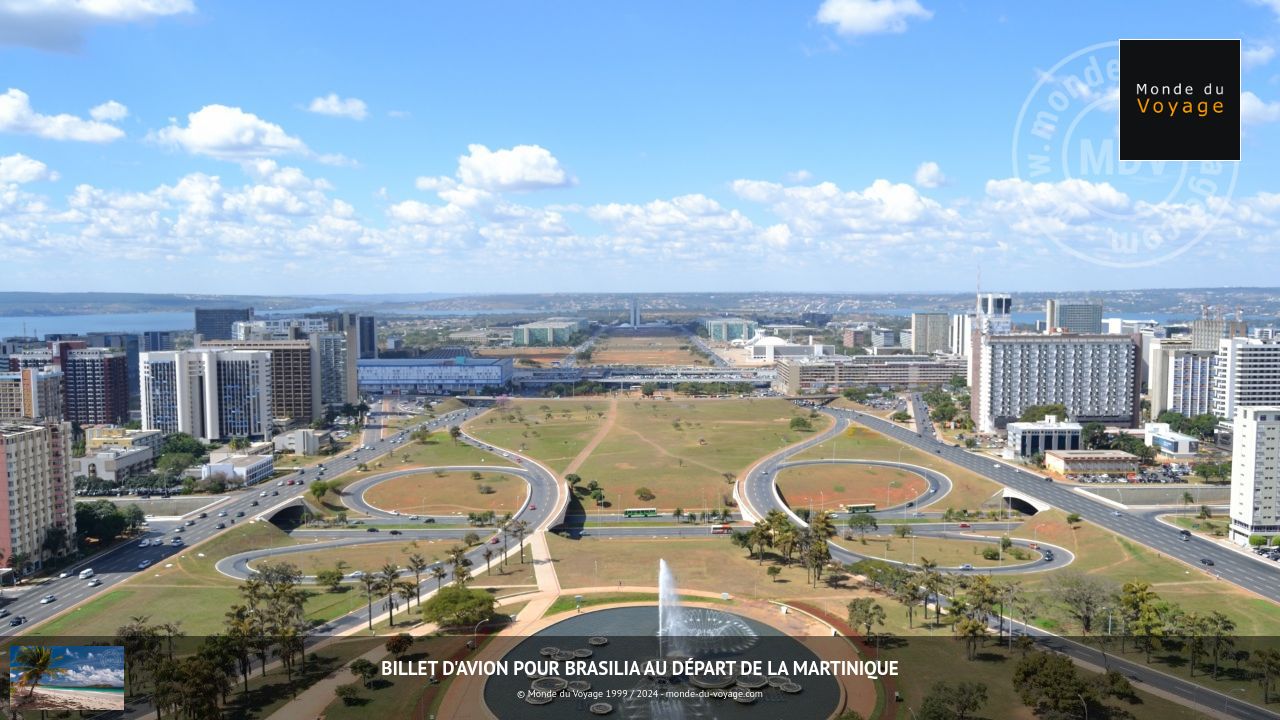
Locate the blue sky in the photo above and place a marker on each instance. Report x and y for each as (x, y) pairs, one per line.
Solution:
(853, 145)
(82, 666)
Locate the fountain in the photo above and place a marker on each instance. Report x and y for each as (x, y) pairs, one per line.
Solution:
(670, 631)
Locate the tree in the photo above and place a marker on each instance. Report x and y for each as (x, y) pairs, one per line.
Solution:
(801, 424)
(458, 607)
(370, 583)
(645, 494)
(1141, 613)
(573, 479)
(348, 694)
(946, 701)
(320, 488)
(1219, 637)
(1073, 518)
(518, 529)
(901, 416)
(399, 644)
(773, 571)
(866, 613)
(455, 433)
(364, 670)
(1082, 597)
(1093, 435)
(182, 443)
(331, 579)
(1266, 662)
(417, 564)
(1050, 685)
(32, 664)
(823, 525)
(862, 523)
(1036, 413)
(439, 573)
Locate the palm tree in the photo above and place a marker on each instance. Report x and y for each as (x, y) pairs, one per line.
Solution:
(439, 573)
(823, 524)
(33, 663)
(488, 555)
(519, 528)
(417, 564)
(387, 578)
(370, 583)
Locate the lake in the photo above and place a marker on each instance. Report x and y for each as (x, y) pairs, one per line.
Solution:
(38, 326)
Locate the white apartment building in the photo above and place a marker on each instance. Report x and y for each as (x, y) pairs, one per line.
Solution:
(1094, 376)
(1180, 379)
(1255, 473)
(1247, 375)
(212, 394)
(37, 496)
(961, 334)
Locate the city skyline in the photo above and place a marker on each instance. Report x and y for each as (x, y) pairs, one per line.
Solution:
(734, 147)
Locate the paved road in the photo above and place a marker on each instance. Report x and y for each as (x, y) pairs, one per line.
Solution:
(1229, 565)
(121, 563)
(702, 345)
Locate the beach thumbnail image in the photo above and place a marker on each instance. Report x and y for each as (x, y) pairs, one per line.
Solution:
(66, 677)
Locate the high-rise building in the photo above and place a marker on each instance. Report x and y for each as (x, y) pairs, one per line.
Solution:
(215, 323)
(1094, 376)
(1247, 375)
(209, 393)
(1180, 379)
(295, 377)
(1206, 332)
(96, 386)
(37, 495)
(31, 394)
(1083, 318)
(330, 351)
(368, 337)
(281, 328)
(884, 337)
(992, 315)
(128, 343)
(1255, 473)
(348, 324)
(635, 312)
(960, 334)
(930, 333)
(157, 341)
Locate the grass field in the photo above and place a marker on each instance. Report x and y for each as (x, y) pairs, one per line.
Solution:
(438, 451)
(191, 592)
(1212, 527)
(708, 563)
(553, 431)
(170, 506)
(681, 450)
(366, 556)
(645, 350)
(970, 489)
(833, 486)
(947, 553)
(449, 492)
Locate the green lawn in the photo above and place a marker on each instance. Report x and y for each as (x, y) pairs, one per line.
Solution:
(682, 450)
(552, 431)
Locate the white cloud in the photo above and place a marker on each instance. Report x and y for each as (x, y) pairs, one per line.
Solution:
(17, 116)
(1274, 5)
(420, 213)
(1256, 111)
(109, 111)
(1256, 56)
(798, 176)
(523, 167)
(20, 169)
(60, 24)
(230, 133)
(868, 17)
(929, 175)
(335, 106)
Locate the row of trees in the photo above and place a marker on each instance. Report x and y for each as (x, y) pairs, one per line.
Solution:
(806, 545)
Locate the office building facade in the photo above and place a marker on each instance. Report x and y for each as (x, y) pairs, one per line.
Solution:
(802, 376)
(960, 334)
(930, 333)
(295, 377)
(550, 332)
(1255, 473)
(37, 496)
(1208, 333)
(1028, 438)
(212, 394)
(156, 341)
(1094, 376)
(216, 323)
(1073, 317)
(96, 386)
(434, 375)
(368, 337)
(1180, 379)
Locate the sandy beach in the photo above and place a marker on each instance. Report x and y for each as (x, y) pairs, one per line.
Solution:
(66, 699)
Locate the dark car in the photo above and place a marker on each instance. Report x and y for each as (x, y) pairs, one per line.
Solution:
(253, 503)
(203, 515)
(1206, 562)
(239, 513)
(393, 532)
(372, 529)
(220, 526)
(17, 620)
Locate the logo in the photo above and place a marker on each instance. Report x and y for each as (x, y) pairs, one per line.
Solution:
(1078, 193)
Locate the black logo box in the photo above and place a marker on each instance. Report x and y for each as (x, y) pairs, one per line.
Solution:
(1187, 68)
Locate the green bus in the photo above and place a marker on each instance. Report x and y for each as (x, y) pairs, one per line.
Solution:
(861, 508)
(640, 512)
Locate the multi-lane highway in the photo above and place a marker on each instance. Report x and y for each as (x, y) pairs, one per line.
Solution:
(121, 563)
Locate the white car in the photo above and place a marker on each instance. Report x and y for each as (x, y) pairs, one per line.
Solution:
(144, 564)
(47, 599)
(145, 543)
